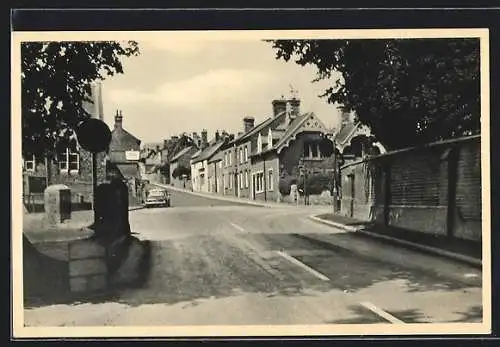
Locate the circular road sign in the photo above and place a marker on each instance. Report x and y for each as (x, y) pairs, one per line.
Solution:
(93, 135)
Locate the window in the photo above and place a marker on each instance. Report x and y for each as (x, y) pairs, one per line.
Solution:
(246, 179)
(270, 180)
(270, 138)
(225, 159)
(314, 150)
(69, 161)
(229, 157)
(311, 150)
(220, 164)
(241, 155)
(246, 153)
(259, 144)
(306, 150)
(241, 181)
(259, 182)
(29, 164)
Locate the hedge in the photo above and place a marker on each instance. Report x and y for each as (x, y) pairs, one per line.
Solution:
(316, 184)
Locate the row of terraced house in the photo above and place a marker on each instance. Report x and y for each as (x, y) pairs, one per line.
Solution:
(284, 147)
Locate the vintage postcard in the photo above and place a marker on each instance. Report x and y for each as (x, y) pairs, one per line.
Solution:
(251, 183)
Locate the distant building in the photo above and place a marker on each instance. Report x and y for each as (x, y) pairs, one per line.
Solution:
(181, 162)
(200, 161)
(124, 154)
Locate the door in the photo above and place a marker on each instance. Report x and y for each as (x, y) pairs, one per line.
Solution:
(236, 187)
(353, 194)
(253, 187)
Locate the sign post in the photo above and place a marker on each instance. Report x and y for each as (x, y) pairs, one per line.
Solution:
(94, 136)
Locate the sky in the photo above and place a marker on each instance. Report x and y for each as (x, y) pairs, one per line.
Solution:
(177, 86)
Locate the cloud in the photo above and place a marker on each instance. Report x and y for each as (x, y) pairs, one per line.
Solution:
(214, 87)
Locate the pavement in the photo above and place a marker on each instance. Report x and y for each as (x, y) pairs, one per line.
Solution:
(215, 262)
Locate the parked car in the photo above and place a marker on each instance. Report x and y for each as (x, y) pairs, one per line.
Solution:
(157, 197)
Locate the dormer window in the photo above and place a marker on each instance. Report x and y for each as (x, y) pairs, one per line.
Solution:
(69, 161)
(29, 164)
(259, 143)
(270, 138)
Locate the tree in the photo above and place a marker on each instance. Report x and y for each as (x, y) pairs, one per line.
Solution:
(56, 80)
(407, 91)
(181, 170)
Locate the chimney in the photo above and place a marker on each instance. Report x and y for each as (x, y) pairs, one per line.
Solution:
(279, 106)
(217, 136)
(204, 138)
(295, 107)
(118, 119)
(248, 123)
(240, 133)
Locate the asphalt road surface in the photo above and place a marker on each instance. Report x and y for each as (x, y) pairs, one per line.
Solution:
(215, 262)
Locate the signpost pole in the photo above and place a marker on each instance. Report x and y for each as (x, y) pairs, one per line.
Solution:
(94, 181)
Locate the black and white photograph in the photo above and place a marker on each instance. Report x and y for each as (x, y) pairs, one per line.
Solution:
(251, 183)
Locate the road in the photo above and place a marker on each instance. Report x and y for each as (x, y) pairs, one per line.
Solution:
(215, 262)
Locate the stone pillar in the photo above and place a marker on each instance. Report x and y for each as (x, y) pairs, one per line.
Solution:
(57, 201)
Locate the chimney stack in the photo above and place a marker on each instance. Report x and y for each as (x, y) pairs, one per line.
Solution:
(217, 136)
(248, 124)
(279, 106)
(118, 119)
(204, 138)
(295, 107)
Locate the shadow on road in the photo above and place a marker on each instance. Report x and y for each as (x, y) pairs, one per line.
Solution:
(46, 280)
(362, 316)
(198, 267)
(473, 314)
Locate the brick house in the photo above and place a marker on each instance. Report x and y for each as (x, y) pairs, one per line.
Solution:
(290, 145)
(215, 170)
(201, 182)
(124, 155)
(71, 166)
(431, 189)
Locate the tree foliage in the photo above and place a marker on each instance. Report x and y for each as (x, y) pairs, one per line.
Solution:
(407, 91)
(181, 170)
(56, 80)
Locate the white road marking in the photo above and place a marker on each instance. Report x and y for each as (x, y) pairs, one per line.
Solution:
(381, 313)
(258, 256)
(238, 227)
(302, 265)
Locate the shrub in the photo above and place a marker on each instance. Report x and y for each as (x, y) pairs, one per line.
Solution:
(181, 170)
(285, 184)
(316, 184)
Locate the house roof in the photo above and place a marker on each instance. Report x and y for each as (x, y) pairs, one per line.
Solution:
(120, 137)
(294, 125)
(217, 157)
(285, 137)
(181, 153)
(208, 152)
(346, 131)
(258, 127)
